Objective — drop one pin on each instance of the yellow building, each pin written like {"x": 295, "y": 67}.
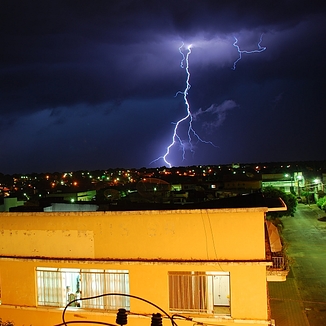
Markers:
{"x": 208, "y": 265}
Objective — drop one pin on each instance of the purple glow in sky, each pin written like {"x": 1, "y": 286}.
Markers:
{"x": 91, "y": 84}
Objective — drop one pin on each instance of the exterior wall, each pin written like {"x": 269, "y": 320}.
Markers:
{"x": 243, "y": 184}
{"x": 74, "y": 196}
{"x": 248, "y": 292}
{"x": 224, "y": 234}
{"x": 149, "y": 244}
{"x": 10, "y": 202}
{"x": 285, "y": 186}
{"x": 63, "y": 207}
{"x": 287, "y": 182}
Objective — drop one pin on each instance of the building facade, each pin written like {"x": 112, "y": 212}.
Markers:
{"x": 289, "y": 183}
{"x": 204, "y": 265}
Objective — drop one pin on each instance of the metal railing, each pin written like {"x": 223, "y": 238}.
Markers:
{"x": 278, "y": 263}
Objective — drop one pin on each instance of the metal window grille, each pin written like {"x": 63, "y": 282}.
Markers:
{"x": 57, "y": 287}
{"x": 95, "y": 282}
{"x": 50, "y": 290}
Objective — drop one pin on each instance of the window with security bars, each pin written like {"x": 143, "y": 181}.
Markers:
{"x": 200, "y": 292}
{"x": 58, "y": 286}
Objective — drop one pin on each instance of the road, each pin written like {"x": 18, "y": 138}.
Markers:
{"x": 305, "y": 237}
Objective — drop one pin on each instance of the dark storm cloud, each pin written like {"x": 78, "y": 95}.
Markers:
{"x": 64, "y": 63}
{"x": 218, "y": 112}
{"x": 65, "y": 52}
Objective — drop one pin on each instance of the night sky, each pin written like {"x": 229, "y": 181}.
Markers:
{"x": 89, "y": 85}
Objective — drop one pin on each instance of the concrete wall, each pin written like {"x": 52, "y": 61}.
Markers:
{"x": 149, "y": 244}
{"x": 247, "y": 283}
{"x": 225, "y": 234}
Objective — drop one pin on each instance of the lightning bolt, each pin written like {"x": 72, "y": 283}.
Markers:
{"x": 260, "y": 49}
{"x": 187, "y": 118}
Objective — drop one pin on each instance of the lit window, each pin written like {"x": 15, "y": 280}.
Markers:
{"x": 58, "y": 286}
{"x": 199, "y": 292}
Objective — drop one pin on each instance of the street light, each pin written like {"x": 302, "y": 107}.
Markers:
{"x": 299, "y": 178}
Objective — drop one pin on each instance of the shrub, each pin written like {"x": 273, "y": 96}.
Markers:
{"x": 321, "y": 203}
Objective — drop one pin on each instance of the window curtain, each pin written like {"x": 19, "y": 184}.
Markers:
{"x": 117, "y": 282}
{"x": 199, "y": 291}
{"x": 188, "y": 291}
{"x": 92, "y": 284}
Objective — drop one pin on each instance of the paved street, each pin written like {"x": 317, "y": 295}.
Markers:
{"x": 305, "y": 287}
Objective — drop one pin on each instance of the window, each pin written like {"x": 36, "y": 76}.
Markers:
{"x": 58, "y": 286}
{"x": 206, "y": 292}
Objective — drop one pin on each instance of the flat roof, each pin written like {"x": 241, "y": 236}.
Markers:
{"x": 256, "y": 200}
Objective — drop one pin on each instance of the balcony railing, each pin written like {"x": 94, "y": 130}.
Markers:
{"x": 279, "y": 270}
{"x": 278, "y": 263}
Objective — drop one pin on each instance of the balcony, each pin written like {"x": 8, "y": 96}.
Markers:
{"x": 279, "y": 270}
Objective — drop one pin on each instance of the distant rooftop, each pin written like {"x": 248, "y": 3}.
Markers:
{"x": 242, "y": 201}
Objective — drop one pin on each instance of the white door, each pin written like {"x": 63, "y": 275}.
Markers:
{"x": 221, "y": 290}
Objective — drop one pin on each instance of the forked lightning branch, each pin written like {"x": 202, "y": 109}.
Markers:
{"x": 187, "y": 144}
